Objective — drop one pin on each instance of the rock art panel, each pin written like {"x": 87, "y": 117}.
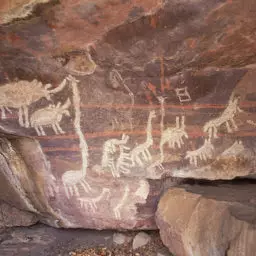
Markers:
{"x": 117, "y": 103}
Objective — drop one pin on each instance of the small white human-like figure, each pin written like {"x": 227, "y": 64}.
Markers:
{"x": 203, "y": 153}
{"x": 140, "y": 154}
{"x": 117, "y": 209}
{"x": 227, "y": 118}
{"x": 91, "y": 203}
{"x": 50, "y": 116}
{"x": 110, "y": 148}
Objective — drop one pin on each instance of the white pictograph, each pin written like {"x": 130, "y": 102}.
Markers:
{"x": 251, "y": 122}
{"x": 23, "y": 93}
{"x": 174, "y": 136}
{"x": 50, "y": 116}
{"x": 203, "y": 153}
{"x": 75, "y": 178}
{"x": 140, "y": 154}
{"x": 110, "y": 148}
{"x": 124, "y": 161}
{"x": 183, "y": 94}
{"x": 143, "y": 191}
{"x": 116, "y": 80}
{"x": 91, "y": 203}
{"x": 227, "y": 118}
{"x": 122, "y": 203}
{"x": 234, "y": 150}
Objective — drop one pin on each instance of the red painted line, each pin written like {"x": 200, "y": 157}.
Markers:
{"x": 191, "y": 135}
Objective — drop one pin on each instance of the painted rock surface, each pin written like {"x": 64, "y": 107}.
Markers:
{"x": 102, "y": 101}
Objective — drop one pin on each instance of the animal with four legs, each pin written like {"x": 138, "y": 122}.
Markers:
{"x": 227, "y": 118}
{"x": 50, "y": 116}
{"x": 204, "y": 153}
{"x": 21, "y": 94}
{"x": 140, "y": 154}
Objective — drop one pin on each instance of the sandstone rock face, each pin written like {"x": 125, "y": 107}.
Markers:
{"x": 208, "y": 220}
{"x": 13, "y": 217}
{"x": 102, "y": 100}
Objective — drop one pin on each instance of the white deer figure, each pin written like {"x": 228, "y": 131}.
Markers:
{"x": 122, "y": 203}
{"x": 203, "y": 153}
{"x": 50, "y": 116}
{"x": 23, "y": 93}
{"x": 227, "y": 117}
{"x": 90, "y": 203}
{"x": 109, "y": 150}
{"x": 72, "y": 179}
{"x": 140, "y": 153}
{"x": 174, "y": 136}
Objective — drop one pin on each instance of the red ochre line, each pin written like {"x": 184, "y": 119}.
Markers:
{"x": 245, "y": 104}
{"x": 191, "y": 134}
{"x": 167, "y": 106}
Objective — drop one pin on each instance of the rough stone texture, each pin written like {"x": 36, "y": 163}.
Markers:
{"x": 105, "y": 99}
{"x": 208, "y": 220}
{"x": 140, "y": 240}
{"x": 13, "y": 217}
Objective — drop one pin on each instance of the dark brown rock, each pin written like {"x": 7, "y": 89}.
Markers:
{"x": 208, "y": 220}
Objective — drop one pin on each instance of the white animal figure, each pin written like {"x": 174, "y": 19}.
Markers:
{"x": 251, "y": 122}
{"x": 74, "y": 178}
{"x": 227, "y": 117}
{"x": 174, "y": 136}
{"x": 108, "y": 157}
{"x": 140, "y": 153}
{"x": 90, "y": 203}
{"x": 122, "y": 203}
{"x": 49, "y": 116}
{"x": 203, "y": 153}
{"x": 23, "y": 93}
{"x": 124, "y": 161}
{"x": 234, "y": 150}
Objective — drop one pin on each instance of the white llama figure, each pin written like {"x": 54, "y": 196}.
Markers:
{"x": 227, "y": 118}
{"x": 90, "y": 203}
{"x": 108, "y": 156}
{"x": 72, "y": 179}
{"x": 203, "y": 153}
{"x": 140, "y": 154}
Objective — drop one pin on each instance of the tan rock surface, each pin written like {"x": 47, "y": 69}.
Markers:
{"x": 207, "y": 220}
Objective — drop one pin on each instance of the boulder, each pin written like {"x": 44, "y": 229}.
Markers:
{"x": 102, "y": 101}
{"x": 140, "y": 240}
{"x": 208, "y": 220}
